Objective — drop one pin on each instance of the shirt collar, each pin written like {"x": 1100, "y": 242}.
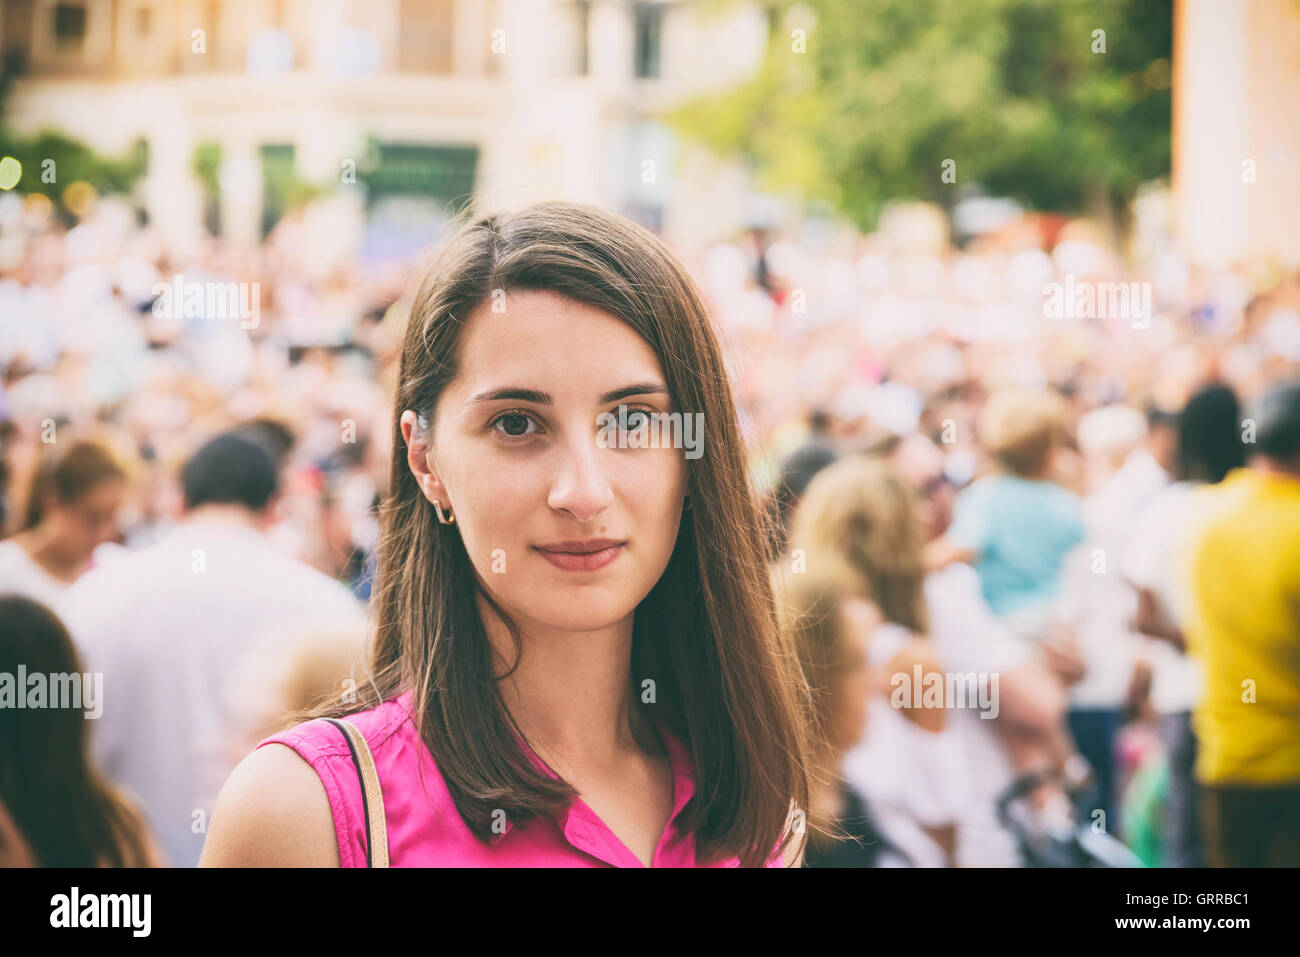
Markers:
{"x": 577, "y": 822}
{"x": 216, "y": 530}
{"x": 580, "y": 824}
{"x": 1245, "y": 475}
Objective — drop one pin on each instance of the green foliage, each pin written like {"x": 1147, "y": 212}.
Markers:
{"x": 207, "y": 170}
{"x": 207, "y": 167}
{"x": 283, "y": 188}
{"x": 1010, "y": 90}
{"x": 73, "y": 161}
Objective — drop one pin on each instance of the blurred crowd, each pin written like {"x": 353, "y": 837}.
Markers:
{"x": 1083, "y": 533}
{"x": 964, "y": 482}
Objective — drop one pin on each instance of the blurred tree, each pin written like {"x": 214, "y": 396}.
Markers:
{"x": 73, "y": 160}
{"x": 1025, "y": 97}
{"x": 284, "y": 189}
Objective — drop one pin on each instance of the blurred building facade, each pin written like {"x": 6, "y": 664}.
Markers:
{"x": 396, "y": 110}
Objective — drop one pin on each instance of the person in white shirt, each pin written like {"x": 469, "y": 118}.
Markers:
{"x": 69, "y": 524}
{"x": 1209, "y": 446}
{"x": 170, "y": 628}
{"x": 1115, "y": 441}
{"x": 970, "y": 639}
{"x": 909, "y": 765}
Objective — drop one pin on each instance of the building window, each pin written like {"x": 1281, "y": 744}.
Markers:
{"x": 570, "y": 51}
{"x": 16, "y": 31}
{"x": 279, "y": 178}
{"x": 649, "y": 27}
{"x": 270, "y": 53}
{"x": 69, "y": 25}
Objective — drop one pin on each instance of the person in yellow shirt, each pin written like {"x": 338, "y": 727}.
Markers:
{"x": 1242, "y": 581}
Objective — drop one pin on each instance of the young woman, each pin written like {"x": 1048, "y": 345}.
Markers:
{"x": 577, "y": 660}
{"x": 71, "y": 511}
{"x": 55, "y": 809}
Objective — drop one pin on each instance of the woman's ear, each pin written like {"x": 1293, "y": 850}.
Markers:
{"x": 419, "y": 456}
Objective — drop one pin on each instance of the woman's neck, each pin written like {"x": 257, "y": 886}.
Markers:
{"x": 569, "y": 693}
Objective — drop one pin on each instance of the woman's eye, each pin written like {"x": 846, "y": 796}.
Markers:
{"x": 637, "y": 419}
{"x": 513, "y": 424}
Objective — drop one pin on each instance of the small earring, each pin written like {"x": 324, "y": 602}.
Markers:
{"x": 444, "y": 519}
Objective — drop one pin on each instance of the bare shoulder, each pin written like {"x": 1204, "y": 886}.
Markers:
{"x": 919, "y": 653}
{"x": 917, "y": 650}
{"x": 272, "y": 812}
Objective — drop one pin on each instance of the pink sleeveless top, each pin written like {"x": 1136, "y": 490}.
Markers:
{"x": 426, "y": 830}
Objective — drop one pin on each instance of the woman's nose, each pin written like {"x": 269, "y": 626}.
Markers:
{"x": 581, "y": 488}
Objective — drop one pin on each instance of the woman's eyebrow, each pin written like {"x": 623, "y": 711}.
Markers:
{"x": 512, "y": 392}
{"x": 637, "y": 388}
{"x": 544, "y": 398}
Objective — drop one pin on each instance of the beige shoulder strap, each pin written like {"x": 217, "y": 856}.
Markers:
{"x": 376, "y": 823}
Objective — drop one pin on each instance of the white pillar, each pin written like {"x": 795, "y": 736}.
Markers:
{"x": 172, "y": 197}
{"x": 1210, "y": 129}
{"x": 241, "y": 192}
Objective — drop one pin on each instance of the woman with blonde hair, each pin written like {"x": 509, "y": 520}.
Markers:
{"x": 577, "y": 660}
{"x": 858, "y": 513}
{"x": 827, "y": 620}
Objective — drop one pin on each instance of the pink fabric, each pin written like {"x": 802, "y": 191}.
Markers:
{"x": 426, "y": 830}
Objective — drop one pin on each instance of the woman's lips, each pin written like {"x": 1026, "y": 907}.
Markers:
{"x": 582, "y": 561}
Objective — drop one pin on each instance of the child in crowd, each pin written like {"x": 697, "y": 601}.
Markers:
{"x": 1017, "y": 524}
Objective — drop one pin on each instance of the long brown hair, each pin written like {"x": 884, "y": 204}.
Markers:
{"x": 65, "y": 812}
{"x": 858, "y": 511}
{"x": 707, "y": 632}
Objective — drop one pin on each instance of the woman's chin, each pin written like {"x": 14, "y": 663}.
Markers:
{"x": 580, "y": 609}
